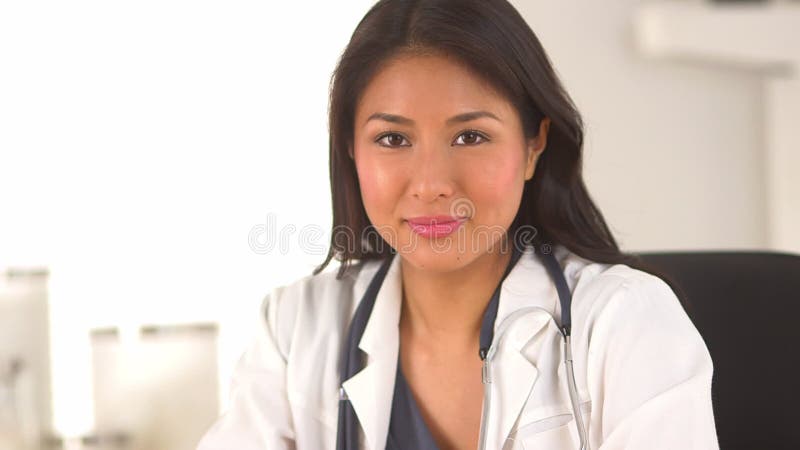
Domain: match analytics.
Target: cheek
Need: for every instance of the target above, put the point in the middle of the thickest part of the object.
(378, 188)
(497, 187)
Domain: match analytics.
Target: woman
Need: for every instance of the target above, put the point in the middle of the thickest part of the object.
(456, 179)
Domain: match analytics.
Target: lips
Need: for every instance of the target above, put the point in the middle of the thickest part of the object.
(435, 226)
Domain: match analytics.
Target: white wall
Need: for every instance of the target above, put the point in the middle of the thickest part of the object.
(673, 151)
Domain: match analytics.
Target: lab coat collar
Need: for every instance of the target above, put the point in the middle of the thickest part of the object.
(514, 373)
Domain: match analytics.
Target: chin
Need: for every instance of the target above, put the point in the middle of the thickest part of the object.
(436, 255)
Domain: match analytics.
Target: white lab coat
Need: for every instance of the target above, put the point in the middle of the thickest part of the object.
(642, 369)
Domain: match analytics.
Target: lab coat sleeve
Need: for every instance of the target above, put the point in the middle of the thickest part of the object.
(258, 416)
(652, 373)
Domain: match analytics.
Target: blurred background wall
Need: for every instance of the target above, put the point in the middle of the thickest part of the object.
(165, 164)
(686, 105)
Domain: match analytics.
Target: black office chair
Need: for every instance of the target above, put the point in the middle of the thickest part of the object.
(746, 306)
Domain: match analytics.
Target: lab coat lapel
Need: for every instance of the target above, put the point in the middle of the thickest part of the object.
(514, 372)
(371, 390)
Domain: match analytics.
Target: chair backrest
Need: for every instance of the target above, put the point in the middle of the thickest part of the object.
(746, 305)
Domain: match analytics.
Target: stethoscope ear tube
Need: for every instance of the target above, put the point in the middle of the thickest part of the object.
(343, 428)
(573, 394)
(564, 295)
(487, 402)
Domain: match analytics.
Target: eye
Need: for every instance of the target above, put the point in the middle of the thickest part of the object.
(394, 140)
(472, 136)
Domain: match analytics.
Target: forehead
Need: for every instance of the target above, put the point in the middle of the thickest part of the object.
(420, 85)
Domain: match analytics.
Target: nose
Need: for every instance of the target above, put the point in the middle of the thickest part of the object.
(432, 175)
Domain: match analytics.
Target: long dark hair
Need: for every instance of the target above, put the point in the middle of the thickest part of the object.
(492, 39)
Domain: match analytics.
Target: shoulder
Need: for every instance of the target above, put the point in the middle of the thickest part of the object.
(638, 353)
(617, 309)
(603, 288)
(612, 303)
(643, 306)
(312, 302)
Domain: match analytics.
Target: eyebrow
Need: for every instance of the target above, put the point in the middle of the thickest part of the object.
(464, 117)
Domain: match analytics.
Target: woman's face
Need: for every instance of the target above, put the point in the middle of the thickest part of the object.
(433, 139)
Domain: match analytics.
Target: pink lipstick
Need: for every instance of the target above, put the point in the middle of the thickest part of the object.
(435, 226)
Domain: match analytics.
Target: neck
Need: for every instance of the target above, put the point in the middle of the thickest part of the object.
(445, 309)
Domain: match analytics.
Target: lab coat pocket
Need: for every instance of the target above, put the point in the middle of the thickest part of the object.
(553, 432)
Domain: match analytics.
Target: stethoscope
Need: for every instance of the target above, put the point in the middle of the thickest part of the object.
(347, 431)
